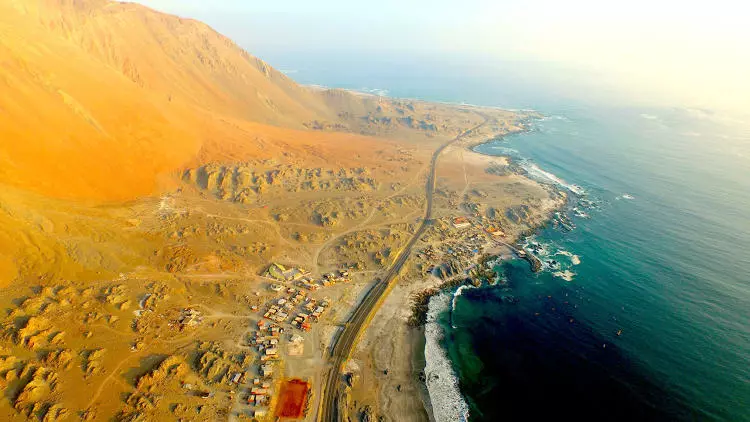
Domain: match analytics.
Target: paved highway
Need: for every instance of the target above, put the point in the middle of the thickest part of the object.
(347, 338)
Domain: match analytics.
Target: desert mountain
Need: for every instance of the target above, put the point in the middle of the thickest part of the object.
(105, 105)
(100, 98)
(106, 101)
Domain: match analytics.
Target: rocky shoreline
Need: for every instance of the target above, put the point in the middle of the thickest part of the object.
(421, 300)
(477, 210)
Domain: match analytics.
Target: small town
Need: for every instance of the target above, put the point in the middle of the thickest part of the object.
(279, 331)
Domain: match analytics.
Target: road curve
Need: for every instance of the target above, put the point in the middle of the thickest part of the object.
(344, 343)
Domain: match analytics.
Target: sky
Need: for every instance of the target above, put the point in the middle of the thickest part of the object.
(688, 52)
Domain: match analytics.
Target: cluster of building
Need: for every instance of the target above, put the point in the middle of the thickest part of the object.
(327, 280)
(460, 240)
(313, 311)
(266, 340)
(260, 394)
(282, 273)
(304, 278)
(282, 310)
(429, 253)
(462, 223)
(463, 247)
(495, 231)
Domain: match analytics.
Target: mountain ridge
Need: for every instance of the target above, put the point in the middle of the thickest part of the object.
(94, 85)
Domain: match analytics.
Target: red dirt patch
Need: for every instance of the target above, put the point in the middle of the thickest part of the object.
(292, 398)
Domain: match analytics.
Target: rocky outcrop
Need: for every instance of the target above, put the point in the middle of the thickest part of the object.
(240, 183)
(173, 367)
(215, 365)
(91, 361)
(519, 214)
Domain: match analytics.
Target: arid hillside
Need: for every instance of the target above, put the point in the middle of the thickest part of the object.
(101, 98)
(106, 101)
(105, 104)
(180, 60)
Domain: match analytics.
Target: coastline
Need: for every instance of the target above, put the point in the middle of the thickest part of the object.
(447, 286)
(363, 93)
(388, 364)
(392, 338)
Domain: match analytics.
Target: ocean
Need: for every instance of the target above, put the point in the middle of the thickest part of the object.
(643, 311)
(655, 322)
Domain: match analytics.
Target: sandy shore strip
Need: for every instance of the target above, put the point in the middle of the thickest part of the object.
(391, 359)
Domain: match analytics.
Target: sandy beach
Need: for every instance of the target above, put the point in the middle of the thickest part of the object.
(391, 345)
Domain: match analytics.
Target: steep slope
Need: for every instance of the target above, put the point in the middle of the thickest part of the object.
(182, 59)
(101, 98)
(107, 101)
(71, 126)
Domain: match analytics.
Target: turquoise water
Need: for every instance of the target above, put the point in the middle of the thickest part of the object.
(669, 267)
(664, 254)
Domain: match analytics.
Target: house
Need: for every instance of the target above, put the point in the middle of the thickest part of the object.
(277, 271)
(266, 370)
(495, 232)
(461, 223)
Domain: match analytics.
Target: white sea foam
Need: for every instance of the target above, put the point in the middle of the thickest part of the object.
(574, 259)
(536, 172)
(504, 150)
(458, 294)
(442, 384)
(566, 275)
(375, 91)
(555, 117)
(649, 116)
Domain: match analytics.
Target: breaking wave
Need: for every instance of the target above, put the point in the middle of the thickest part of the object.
(456, 295)
(555, 259)
(502, 150)
(537, 173)
(448, 404)
(375, 91)
(556, 117)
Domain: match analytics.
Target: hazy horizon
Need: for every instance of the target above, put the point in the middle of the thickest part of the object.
(665, 53)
